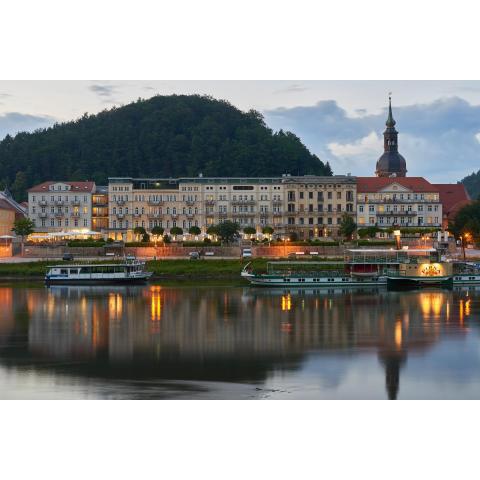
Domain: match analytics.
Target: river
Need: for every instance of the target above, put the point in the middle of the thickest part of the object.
(230, 342)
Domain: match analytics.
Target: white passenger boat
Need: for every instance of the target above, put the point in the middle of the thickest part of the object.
(130, 271)
(308, 274)
(368, 267)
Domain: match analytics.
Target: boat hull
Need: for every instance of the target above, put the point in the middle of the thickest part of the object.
(407, 283)
(100, 281)
(266, 281)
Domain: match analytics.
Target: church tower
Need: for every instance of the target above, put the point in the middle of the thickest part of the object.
(391, 163)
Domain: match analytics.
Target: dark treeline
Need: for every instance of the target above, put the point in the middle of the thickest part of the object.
(165, 136)
(472, 184)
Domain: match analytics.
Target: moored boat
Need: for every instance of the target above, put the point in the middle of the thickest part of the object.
(128, 272)
(396, 269)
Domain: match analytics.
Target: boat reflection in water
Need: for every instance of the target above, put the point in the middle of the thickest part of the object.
(168, 342)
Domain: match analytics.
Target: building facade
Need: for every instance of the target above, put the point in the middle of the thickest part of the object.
(61, 206)
(314, 206)
(198, 201)
(10, 210)
(397, 202)
(311, 206)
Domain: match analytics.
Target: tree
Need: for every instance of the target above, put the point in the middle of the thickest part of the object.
(145, 238)
(163, 136)
(176, 231)
(23, 227)
(139, 232)
(367, 232)
(227, 231)
(347, 226)
(157, 231)
(212, 230)
(249, 231)
(267, 230)
(467, 222)
(293, 236)
(194, 230)
(19, 186)
(166, 239)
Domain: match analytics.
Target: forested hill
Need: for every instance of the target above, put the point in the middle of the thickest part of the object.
(164, 136)
(472, 184)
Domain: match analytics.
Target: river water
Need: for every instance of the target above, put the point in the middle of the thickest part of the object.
(227, 342)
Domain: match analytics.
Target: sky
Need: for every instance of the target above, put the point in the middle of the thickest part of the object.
(340, 121)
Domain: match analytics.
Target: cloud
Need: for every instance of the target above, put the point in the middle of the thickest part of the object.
(14, 122)
(292, 88)
(104, 91)
(440, 140)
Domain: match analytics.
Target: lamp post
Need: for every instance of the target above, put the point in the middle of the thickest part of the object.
(463, 238)
(396, 234)
(285, 240)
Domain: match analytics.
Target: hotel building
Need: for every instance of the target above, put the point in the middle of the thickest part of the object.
(314, 206)
(61, 206)
(197, 201)
(397, 201)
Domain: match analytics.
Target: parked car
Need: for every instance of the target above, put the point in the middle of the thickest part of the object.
(247, 253)
(67, 257)
(194, 255)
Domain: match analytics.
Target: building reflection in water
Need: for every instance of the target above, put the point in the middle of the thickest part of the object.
(228, 334)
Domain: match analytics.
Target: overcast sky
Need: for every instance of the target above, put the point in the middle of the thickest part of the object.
(340, 121)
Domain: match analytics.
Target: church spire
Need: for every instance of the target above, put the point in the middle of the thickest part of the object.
(390, 123)
(391, 163)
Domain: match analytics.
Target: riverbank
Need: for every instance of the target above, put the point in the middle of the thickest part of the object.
(162, 269)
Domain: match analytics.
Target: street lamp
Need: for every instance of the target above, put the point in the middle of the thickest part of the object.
(396, 234)
(285, 240)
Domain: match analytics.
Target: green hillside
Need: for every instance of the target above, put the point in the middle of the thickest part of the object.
(472, 184)
(164, 136)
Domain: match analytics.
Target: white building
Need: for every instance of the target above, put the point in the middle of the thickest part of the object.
(397, 201)
(61, 206)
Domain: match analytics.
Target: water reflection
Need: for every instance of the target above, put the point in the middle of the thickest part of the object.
(242, 335)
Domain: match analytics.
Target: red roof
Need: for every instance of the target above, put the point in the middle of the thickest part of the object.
(74, 186)
(453, 197)
(375, 184)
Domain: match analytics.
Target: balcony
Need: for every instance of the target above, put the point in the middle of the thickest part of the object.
(42, 203)
(154, 215)
(75, 214)
(190, 202)
(243, 202)
(174, 215)
(190, 215)
(59, 214)
(42, 215)
(395, 214)
(155, 202)
(277, 214)
(277, 202)
(120, 215)
(75, 202)
(120, 202)
(209, 202)
(137, 215)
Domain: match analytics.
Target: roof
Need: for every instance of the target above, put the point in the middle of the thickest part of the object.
(4, 205)
(375, 184)
(74, 186)
(8, 203)
(453, 196)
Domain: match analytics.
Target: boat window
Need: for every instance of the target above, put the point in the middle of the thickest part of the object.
(63, 271)
(85, 270)
(73, 271)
